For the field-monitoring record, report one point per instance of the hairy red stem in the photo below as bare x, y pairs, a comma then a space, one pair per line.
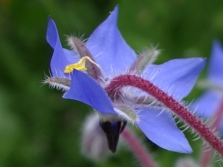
137, 148
207, 155
182, 112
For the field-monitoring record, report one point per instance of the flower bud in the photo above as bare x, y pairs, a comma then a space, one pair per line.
186, 162
94, 143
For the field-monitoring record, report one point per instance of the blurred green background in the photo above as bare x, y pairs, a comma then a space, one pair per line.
40, 129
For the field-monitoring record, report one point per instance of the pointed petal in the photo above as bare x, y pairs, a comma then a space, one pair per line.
61, 57
221, 127
215, 72
176, 77
71, 57
206, 105
161, 129
85, 89
108, 47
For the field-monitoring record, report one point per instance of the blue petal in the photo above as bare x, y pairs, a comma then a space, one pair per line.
61, 57
162, 130
52, 34
176, 77
108, 47
206, 105
215, 72
221, 127
85, 89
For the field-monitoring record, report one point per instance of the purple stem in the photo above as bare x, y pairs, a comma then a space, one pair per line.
207, 155
182, 112
137, 148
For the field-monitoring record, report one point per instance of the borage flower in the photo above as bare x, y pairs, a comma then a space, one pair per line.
207, 105
87, 71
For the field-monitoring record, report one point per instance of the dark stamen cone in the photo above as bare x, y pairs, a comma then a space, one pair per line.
112, 131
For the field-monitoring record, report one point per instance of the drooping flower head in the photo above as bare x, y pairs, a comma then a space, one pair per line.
86, 71
208, 103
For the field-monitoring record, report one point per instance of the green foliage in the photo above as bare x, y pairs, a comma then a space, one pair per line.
38, 127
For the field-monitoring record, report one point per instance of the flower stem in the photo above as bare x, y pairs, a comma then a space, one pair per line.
182, 112
207, 155
137, 148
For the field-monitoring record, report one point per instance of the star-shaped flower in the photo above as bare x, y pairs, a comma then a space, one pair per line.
207, 104
85, 72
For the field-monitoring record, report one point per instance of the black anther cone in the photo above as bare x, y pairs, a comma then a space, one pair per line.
112, 131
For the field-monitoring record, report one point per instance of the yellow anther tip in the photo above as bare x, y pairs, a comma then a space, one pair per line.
67, 70
71, 67
80, 65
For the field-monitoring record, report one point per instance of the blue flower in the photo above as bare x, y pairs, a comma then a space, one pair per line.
207, 104
115, 57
